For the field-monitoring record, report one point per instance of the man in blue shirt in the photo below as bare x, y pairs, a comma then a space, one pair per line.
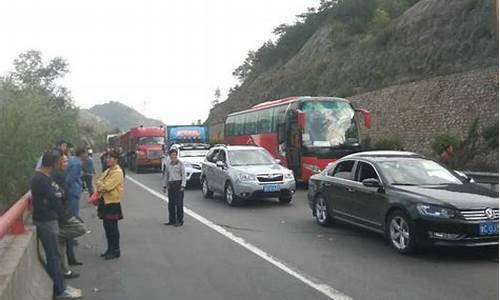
73, 188
88, 173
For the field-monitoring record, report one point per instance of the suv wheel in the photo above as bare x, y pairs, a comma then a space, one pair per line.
285, 199
229, 195
207, 193
400, 232
322, 212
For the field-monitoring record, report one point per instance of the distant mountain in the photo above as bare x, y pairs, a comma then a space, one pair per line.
121, 116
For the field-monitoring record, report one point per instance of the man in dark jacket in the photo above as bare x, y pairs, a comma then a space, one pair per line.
47, 212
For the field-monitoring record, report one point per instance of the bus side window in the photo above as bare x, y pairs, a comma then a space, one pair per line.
265, 120
251, 123
279, 122
229, 128
239, 123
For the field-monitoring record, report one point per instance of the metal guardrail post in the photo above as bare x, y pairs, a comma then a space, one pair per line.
484, 178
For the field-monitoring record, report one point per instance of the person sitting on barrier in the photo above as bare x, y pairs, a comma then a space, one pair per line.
109, 209
47, 211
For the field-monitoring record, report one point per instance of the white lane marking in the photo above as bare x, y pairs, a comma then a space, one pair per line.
323, 288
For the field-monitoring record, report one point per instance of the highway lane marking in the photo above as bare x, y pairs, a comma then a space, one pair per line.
323, 288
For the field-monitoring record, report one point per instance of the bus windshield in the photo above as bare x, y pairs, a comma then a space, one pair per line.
329, 124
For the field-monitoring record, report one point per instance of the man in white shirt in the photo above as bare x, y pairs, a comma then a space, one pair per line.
175, 181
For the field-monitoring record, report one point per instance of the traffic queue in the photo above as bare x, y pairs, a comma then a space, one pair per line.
410, 199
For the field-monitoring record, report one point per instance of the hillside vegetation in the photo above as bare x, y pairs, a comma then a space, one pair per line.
35, 112
347, 47
120, 116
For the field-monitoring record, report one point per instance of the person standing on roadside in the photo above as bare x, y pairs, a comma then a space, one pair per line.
175, 181
59, 178
47, 211
123, 160
446, 155
61, 145
73, 189
110, 185
88, 173
104, 156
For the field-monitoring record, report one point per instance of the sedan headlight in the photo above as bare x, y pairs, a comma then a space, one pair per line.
289, 176
435, 211
247, 177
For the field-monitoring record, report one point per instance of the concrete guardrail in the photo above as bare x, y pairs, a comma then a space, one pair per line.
22, 275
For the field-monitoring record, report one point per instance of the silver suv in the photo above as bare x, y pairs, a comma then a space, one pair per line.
242, 172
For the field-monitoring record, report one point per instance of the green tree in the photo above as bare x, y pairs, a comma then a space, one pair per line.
490, 135
217, 97
355, 13
245, 69
380, 21
30, 72
394, 8
34, 113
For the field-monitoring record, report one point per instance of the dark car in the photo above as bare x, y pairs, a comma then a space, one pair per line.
410, 199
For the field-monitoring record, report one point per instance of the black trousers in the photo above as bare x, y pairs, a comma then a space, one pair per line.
175, 202
112, 234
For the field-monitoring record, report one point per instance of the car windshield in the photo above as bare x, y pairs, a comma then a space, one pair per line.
416, 172
193, 153
329, 124
147, 140
250, 157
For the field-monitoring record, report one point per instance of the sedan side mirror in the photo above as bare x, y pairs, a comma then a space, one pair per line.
278, 161
220, 164
372, 182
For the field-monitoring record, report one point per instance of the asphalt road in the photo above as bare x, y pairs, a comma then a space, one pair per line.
209, 261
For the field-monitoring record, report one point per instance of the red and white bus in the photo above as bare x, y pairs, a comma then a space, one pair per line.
304, 133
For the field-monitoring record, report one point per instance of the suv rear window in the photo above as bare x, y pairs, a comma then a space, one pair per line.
250, 157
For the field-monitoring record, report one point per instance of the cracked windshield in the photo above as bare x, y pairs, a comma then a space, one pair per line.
329, 124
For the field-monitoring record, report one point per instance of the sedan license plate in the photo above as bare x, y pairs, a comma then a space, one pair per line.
488, 229
270, 188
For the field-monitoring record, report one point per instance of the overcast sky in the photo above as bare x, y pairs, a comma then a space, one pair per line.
163, 58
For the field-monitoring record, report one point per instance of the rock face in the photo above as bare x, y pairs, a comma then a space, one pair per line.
398, 73
444, 104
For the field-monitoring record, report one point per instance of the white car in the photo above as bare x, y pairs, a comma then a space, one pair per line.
192, 155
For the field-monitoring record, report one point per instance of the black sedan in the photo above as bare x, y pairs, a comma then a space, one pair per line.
412, 200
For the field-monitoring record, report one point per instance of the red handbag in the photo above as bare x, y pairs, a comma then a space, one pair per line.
94, 198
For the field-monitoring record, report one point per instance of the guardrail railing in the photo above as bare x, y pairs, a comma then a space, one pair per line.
487, 179
12, 221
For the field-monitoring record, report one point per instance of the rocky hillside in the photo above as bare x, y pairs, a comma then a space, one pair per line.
429, 38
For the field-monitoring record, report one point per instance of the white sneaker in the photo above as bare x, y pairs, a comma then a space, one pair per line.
70, 293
